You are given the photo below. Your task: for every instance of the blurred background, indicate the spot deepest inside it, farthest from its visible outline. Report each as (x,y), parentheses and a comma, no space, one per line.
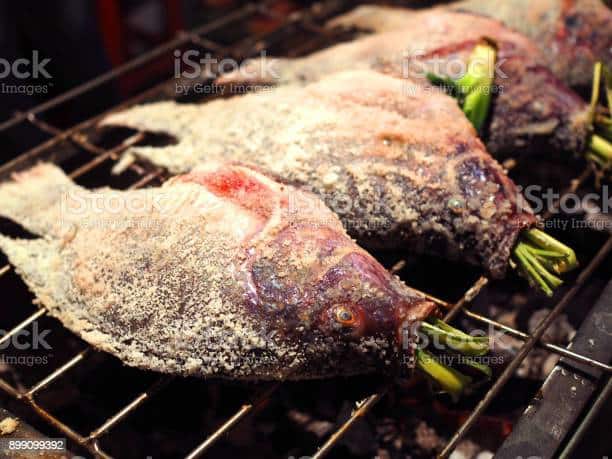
(77,41)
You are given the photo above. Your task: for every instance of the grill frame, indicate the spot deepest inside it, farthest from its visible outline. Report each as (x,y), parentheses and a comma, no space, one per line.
(76,135)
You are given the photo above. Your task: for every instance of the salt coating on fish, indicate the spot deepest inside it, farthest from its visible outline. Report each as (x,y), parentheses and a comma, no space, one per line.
(532,108)
(220,272)
(400,165)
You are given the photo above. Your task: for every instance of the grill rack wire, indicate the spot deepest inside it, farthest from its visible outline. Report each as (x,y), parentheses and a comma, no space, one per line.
(305,19)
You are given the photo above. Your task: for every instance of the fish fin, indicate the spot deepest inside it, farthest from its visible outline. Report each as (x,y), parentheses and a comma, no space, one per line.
(175,158)
(33,198)
(166,117)
(373,18)
(253,74)
(157,117)
(38,263)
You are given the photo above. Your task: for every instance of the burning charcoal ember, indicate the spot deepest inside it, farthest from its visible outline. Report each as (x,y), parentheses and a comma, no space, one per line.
(215,274)
(360,440)
(410,435)
(537,365)
(504,347)
(8,425)
(399,171)
(519,299)
(532,110)
(559,332)
(417,436)
(386,429)
(539,362)
(427,438)
(468,449)
(320,428)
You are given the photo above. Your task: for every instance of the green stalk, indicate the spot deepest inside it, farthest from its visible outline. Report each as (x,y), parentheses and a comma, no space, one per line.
(538,255)
(603,125)
(476,84)
(447,83)
(480,367)
(599,148)
(476,107)
(607,74)
(540,240)
(473,90)
(460,342)
(597,69)
(538,272)
(531,273)
(481,68)
(444,326)
(449,379)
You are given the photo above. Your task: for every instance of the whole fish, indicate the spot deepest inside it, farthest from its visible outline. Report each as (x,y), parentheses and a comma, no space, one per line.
(532,108)
(220,272)
(401,166)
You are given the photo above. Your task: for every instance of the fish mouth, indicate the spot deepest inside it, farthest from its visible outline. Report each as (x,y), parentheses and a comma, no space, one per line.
(409,321)
(407,342)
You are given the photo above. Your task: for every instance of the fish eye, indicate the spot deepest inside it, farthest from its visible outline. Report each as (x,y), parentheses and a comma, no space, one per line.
(345,316)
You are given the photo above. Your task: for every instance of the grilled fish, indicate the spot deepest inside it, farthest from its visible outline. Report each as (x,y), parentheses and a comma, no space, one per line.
(532,109)
(400,165)
(220,272)
(571,35)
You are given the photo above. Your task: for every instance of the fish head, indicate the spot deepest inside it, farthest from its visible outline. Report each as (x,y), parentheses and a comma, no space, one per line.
(363,302)
(315,287)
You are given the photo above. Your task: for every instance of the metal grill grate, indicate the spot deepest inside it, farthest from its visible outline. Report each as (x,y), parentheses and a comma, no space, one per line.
(306,20)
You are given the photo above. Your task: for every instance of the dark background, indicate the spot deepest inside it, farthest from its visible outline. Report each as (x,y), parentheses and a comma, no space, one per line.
(84,39)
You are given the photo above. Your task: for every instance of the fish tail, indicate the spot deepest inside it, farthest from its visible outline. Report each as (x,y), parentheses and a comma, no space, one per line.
(38,263)
(33,198)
